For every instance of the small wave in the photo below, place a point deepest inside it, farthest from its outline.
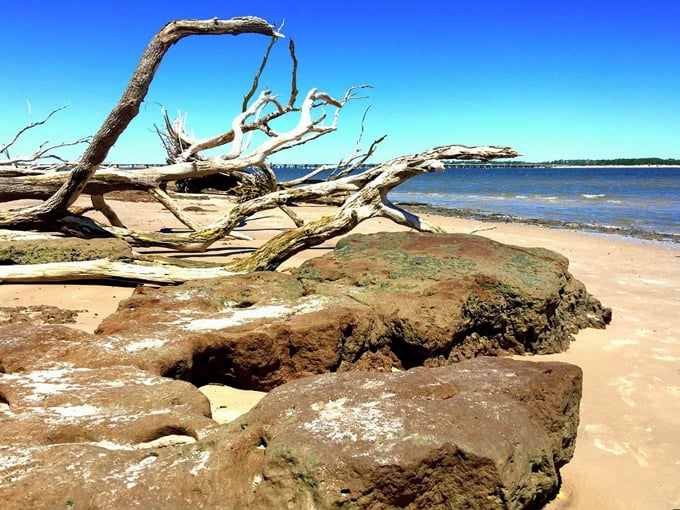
(592, 195)
(490, 197)
(604, 226)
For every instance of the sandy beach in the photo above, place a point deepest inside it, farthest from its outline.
(628, 452)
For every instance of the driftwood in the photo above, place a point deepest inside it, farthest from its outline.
(364, 192)
(126, 109)
(369, 200)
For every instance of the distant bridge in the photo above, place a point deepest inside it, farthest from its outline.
(314, 166)
(132, 166)
(462, 164)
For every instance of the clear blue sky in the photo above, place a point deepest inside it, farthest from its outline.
(553, 79)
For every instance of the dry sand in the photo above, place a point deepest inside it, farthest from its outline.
(628, 448)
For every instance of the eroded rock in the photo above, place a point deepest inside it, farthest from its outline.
(380, 301)
(41, 314)
(112, 406)
(40, 251)
(484, 433)
(96, 421)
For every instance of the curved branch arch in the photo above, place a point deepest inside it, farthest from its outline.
(127, 109)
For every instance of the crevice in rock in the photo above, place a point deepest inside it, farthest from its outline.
(409, 355)
(217, 365)
(173, 431)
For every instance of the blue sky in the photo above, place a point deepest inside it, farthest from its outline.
(553, 79)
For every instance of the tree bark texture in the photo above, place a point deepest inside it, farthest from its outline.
(362, 193)
(124, 111)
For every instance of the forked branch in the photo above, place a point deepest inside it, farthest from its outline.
(125, 110)
(364, 192)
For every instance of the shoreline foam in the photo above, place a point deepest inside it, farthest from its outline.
(465, 213)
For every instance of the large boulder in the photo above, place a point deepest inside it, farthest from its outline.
(117, 405)
(380, 301)
(86, 419)
(484, 433)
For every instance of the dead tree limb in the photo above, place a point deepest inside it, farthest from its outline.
(124, 111)
(100, 205)
(150, 179)
(201, 240)
(364, 192)
(182, 147)
(44, 150)
(183, 152)
(369, 199)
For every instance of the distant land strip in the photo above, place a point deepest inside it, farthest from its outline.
(617, 162)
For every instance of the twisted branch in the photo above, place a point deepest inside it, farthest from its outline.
(126, 109)
(369, 200)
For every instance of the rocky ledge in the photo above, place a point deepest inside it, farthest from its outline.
(485, 433)
(98, 421)
(382, 301)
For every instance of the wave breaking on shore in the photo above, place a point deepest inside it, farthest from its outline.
(467, 213)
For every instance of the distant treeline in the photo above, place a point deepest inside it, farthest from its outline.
(572, 162)
(616, 162)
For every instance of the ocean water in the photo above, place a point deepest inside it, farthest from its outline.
(636, 201)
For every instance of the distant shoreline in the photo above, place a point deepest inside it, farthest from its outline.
(475, 164)
(610, 166)
(465, 213)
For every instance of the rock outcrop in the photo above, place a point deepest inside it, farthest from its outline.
(99, 421)
(39, 251)
(37, 314)
(484, 433)
(116, 405)
(383, 301)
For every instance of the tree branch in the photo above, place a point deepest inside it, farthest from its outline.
(127, 108)
(365, 192)
(31, 125)
(369, 199)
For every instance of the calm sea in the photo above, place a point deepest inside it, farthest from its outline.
(635, 201)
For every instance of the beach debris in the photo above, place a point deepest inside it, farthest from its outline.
(358, 190)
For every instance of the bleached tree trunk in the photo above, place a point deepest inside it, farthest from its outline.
(364, 193)
(369, 199)
(121, 115)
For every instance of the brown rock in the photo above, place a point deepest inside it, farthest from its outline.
(118, 406)
(40, 251)
(388, 300)
(452, 296)
(26, 347)
(44, 314)
(254, 331)
(485, 433)
(61, 385)
(81, 415)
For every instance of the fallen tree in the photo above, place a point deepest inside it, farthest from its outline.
(59, 185)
